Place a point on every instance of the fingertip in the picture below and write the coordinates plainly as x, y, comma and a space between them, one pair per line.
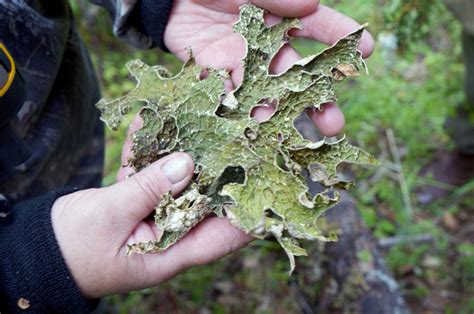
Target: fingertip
177, 170
190, 160
136, 123
212, 239
327, 25
284, 59
262, 113
145, 188
288, 8
237, 76
330, 121
367, 44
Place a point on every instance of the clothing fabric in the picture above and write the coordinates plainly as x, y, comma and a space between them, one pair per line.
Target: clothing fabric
57, 124
141, 23
55, 140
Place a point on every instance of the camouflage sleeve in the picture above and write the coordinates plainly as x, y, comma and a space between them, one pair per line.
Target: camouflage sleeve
141, 23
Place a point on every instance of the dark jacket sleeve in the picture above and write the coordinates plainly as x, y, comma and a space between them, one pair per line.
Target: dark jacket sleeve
34, 277
141, 23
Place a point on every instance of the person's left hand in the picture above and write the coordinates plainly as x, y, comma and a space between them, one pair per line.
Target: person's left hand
206, 27
94, 226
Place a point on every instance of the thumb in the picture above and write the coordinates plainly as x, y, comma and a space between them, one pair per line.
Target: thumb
134, 198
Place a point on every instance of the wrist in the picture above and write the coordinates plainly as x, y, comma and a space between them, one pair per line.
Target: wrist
67, 230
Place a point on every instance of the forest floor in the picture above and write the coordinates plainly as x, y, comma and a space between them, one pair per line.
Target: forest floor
397, 114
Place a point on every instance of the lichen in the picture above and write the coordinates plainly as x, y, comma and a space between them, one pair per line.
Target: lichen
247, 171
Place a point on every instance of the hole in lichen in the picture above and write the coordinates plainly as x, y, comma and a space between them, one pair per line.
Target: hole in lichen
313, 187
271, 214
271, 19
306, 127
231, 174
222, 97
331, 193
280, 137
224, 112
235, 174
164, 73
264, 110
317, 172
280, 162
250, 134
203, 75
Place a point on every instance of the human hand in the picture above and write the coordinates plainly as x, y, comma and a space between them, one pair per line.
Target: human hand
94, 226
206, 27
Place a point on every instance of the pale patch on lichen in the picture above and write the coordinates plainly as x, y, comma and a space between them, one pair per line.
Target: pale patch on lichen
247, 171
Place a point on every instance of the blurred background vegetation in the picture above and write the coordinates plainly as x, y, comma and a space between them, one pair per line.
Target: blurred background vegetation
396, 113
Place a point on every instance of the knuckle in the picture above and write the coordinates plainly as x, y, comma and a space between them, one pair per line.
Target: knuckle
184, 265
150, 187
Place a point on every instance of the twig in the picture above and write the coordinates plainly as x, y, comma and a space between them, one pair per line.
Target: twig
389, 242
401, 177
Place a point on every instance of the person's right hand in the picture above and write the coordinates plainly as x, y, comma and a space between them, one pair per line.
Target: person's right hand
206, 27
94, 226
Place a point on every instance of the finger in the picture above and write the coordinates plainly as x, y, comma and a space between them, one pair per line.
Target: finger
133, 199
262, 113
228, 52
328, 26
237, 75
284, 59
212, 239
225, 53
330, 121
125, 169
288, 8
127, 147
